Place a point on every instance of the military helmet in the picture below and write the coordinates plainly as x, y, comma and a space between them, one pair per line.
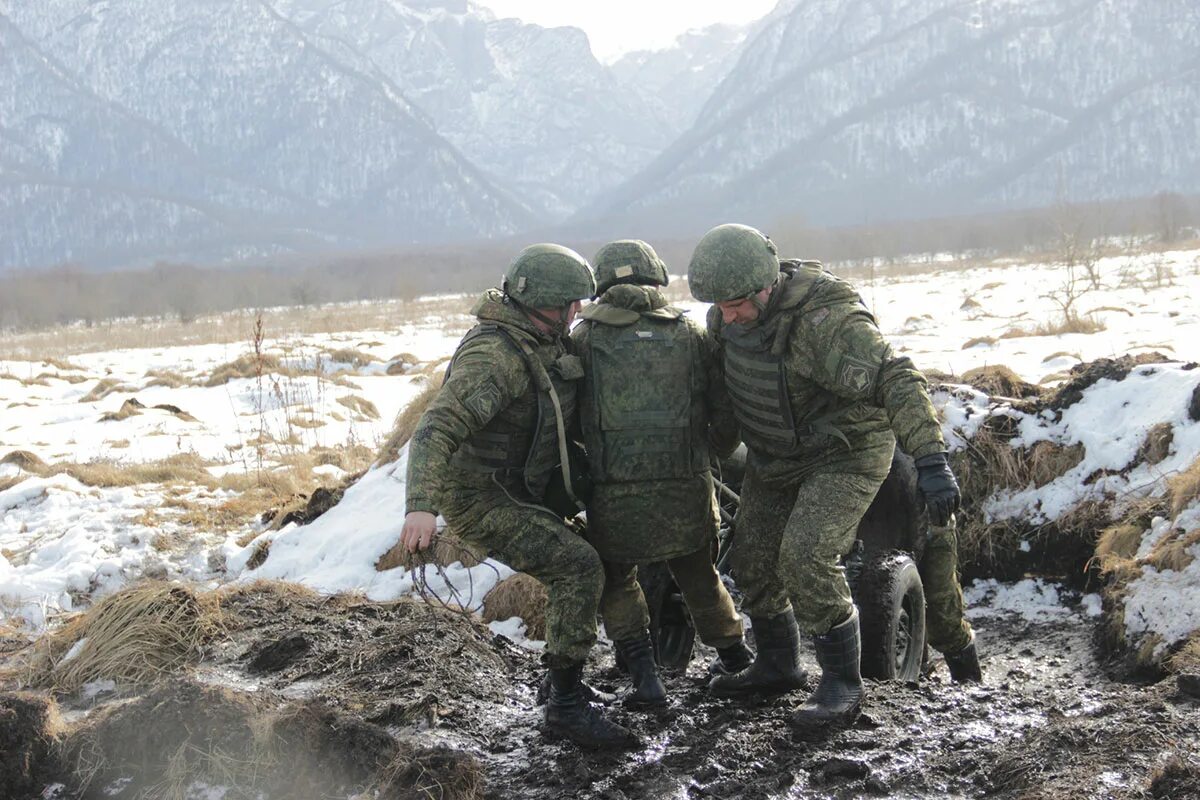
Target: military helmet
731, 262
548, 276
628, 261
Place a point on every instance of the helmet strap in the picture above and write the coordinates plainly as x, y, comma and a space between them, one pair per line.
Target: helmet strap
558, 327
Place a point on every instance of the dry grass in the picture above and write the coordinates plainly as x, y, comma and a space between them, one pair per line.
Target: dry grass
167, 378
438, 773
997, 380
978, 340
406, 424
1184, 488
348, 355
359, 405
130, 408
26, 382
1187, 659
521, 596
25, 460
247, 366
1157, 445
1062, 354
1074, 323
1171, 552
103, 388
133, 637
445, 550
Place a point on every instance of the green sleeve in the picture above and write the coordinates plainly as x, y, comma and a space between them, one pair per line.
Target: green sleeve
723, 434
486, 375
850, 358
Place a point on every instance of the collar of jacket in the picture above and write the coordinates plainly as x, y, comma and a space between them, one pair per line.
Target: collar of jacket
624, 304
491, 307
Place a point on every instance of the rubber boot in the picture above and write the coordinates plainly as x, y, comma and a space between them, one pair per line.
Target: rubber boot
648, 689
776, 667
964, 665
838, 697
732, 659
570, 716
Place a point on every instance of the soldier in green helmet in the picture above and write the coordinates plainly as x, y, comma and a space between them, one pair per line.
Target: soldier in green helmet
821, 400
486, 450
653, 407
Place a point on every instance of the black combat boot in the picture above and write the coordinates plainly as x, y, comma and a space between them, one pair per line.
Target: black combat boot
838, 697
776, 668
732, 659
590, 693
638, 655
964, 665
569, 715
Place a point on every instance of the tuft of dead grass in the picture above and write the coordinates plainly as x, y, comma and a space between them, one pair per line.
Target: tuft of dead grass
1184, 488
406, 423
348, 355
521, 596
25, 460
997, 380
103, 388
437, 773
130, 408
977, 341
1085, 324
1187, 659
445, 550
1155, 448
359, 405
133, 637
247, 366
167, 378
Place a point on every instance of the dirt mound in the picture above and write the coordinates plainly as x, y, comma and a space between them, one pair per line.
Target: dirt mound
29, 731
394, 663
1085, 375
521, 596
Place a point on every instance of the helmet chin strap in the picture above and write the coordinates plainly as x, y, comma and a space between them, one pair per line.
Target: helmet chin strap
762, 307
558, 327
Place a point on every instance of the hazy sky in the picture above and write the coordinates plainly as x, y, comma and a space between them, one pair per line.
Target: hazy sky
619, 26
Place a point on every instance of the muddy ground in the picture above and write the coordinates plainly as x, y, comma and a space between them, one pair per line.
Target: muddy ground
1053, 719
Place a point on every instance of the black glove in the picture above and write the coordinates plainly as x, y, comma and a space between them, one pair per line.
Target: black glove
938, 487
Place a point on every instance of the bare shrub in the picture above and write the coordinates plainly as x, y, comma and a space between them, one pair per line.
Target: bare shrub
521, 596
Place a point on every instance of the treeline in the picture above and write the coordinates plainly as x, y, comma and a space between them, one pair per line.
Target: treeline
69, 294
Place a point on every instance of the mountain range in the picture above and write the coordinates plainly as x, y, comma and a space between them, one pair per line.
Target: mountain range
135, 130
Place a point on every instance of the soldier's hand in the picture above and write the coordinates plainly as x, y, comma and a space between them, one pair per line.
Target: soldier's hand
938, 487
419, 527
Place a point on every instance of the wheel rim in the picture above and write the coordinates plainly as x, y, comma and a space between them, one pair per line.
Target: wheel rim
903, 635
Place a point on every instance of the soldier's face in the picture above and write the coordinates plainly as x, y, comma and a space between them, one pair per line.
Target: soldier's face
557, 314
739, 312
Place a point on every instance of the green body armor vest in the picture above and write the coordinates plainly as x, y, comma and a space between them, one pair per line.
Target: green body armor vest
639, 411
523, 438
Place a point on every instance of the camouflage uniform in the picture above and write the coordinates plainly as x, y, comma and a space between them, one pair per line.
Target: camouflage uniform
648, 446
483, 454
948, 629
821, 400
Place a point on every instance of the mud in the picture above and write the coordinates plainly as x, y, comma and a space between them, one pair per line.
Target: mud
1052, 720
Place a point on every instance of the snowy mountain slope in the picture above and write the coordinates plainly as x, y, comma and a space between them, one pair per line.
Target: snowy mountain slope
308, 140
845, 109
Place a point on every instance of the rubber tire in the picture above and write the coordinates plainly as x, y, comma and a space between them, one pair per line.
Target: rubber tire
671, 628
891, 607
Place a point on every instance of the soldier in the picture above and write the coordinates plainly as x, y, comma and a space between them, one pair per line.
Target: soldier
821, 400
484, 453
653, 406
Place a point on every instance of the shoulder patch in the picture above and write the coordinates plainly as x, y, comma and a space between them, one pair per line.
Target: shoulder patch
855, 374
819, 316
484, 402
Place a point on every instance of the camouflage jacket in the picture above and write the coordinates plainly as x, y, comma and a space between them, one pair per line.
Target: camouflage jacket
489, 427
653, 406
845, 390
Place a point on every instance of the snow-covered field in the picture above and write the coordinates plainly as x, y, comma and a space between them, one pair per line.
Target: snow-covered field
64, 543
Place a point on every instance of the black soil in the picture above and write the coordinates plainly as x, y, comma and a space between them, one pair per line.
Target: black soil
359, 683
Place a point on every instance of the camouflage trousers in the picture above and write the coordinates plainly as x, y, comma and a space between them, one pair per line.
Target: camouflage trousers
947, 628
533, 540
790, 539
623, 606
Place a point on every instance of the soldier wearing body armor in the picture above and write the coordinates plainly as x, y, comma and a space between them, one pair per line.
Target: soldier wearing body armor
486, 450
821, 400
653, 407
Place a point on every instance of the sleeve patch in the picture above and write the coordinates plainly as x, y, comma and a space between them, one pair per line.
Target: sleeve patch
484, 403
856, 375
819, 316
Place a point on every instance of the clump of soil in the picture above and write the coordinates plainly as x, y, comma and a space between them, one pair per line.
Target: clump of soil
1085, 375
29, 730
